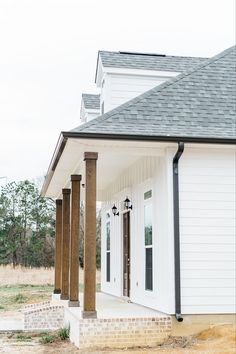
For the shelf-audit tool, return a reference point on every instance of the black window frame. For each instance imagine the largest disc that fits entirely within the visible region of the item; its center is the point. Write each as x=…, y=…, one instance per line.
x=108, y=248
x=148, y=243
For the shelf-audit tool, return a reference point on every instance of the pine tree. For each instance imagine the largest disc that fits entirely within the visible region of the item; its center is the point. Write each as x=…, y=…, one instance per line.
x=26, y=226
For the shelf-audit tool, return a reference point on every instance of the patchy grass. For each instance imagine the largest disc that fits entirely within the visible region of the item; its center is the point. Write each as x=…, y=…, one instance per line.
x=13, y=297
x=23, y=338
x=21, y=286
x=64, y=333
x=48, y=338
x=51, y=337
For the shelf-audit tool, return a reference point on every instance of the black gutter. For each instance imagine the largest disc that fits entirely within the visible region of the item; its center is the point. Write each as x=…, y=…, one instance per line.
x=156, y=138
x=60, y=151
x=53, y=164
x=98, y=136
x=176, y=231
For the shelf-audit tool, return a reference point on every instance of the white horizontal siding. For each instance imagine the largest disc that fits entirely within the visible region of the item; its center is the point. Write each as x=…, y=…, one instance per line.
x=91, y=115
x=124, y=88
x=208, y=265
x=120, y=88
x=208, y=283
x=208, y=222
x=209, y=300
x=203, y=230
x=207, y=213
x=207, y=291
x=207, y=187
x=200, y=257
x=204, y=205
x=208, y=309
x=207, y=228
x=207, y=273
x=194, y=196
x=201, y=248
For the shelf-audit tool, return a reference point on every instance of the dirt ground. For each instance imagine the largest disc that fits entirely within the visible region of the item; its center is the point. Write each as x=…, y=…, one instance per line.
x=219, y=339
x=215, y=340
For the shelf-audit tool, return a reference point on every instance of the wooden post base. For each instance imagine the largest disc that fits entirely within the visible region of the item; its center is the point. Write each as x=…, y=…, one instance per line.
x=64, y=297
x=89, y=314
x=56, y=291
x=73, y=303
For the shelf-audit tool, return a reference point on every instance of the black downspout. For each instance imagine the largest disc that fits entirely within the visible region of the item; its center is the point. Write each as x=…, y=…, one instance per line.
x=176, y=231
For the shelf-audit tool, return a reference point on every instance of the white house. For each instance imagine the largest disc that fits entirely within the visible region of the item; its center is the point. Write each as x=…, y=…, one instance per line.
x=165, y=146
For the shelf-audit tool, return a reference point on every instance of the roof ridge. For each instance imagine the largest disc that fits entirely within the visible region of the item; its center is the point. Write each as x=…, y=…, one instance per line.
x=151, y=54
x=158, y=88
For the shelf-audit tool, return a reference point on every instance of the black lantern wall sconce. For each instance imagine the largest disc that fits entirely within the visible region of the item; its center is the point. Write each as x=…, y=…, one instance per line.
x=127, y=204
x=114, y=210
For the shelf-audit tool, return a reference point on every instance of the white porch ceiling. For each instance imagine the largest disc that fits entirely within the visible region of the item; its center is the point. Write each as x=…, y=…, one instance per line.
x=114, y=157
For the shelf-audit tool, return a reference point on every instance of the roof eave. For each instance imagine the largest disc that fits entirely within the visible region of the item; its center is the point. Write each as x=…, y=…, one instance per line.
x=101, y=136
x=200, y=140
x=61, y=143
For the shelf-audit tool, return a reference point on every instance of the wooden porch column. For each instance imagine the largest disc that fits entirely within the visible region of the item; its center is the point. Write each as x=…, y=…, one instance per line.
x=89, y=310
x=74, y=240
x=58, y=247
x=65, y=244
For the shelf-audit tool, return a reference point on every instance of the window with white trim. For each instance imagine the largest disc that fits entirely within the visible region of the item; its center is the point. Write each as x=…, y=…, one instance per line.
x=148, y=240
x=108, y=248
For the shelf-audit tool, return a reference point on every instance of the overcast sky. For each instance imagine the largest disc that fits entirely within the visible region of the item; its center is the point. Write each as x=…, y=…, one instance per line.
x=48, y=53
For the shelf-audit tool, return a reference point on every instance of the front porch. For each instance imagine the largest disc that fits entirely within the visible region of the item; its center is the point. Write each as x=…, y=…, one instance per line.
x=109, y=172
x=119, y=324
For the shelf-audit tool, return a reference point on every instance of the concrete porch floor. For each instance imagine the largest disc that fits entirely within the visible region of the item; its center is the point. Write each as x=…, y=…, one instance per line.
x=109, y=306
x=119, y=324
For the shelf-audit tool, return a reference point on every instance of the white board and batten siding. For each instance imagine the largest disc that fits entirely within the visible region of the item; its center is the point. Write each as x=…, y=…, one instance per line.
x=207, y=230
x=124, y=185
x=146, y=174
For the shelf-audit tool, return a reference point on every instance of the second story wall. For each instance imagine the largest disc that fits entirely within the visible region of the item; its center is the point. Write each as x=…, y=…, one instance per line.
x=122, y=76
x=119, y=88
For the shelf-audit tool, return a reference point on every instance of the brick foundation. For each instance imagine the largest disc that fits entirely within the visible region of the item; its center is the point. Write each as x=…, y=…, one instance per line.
x=35, y=306
x=117, y=332
x=124, y=332
x=43, y=317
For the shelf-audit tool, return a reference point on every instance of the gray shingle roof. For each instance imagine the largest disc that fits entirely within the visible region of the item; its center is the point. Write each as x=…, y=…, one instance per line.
x=148, y=62
x=199, y=103
x=91, y=101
